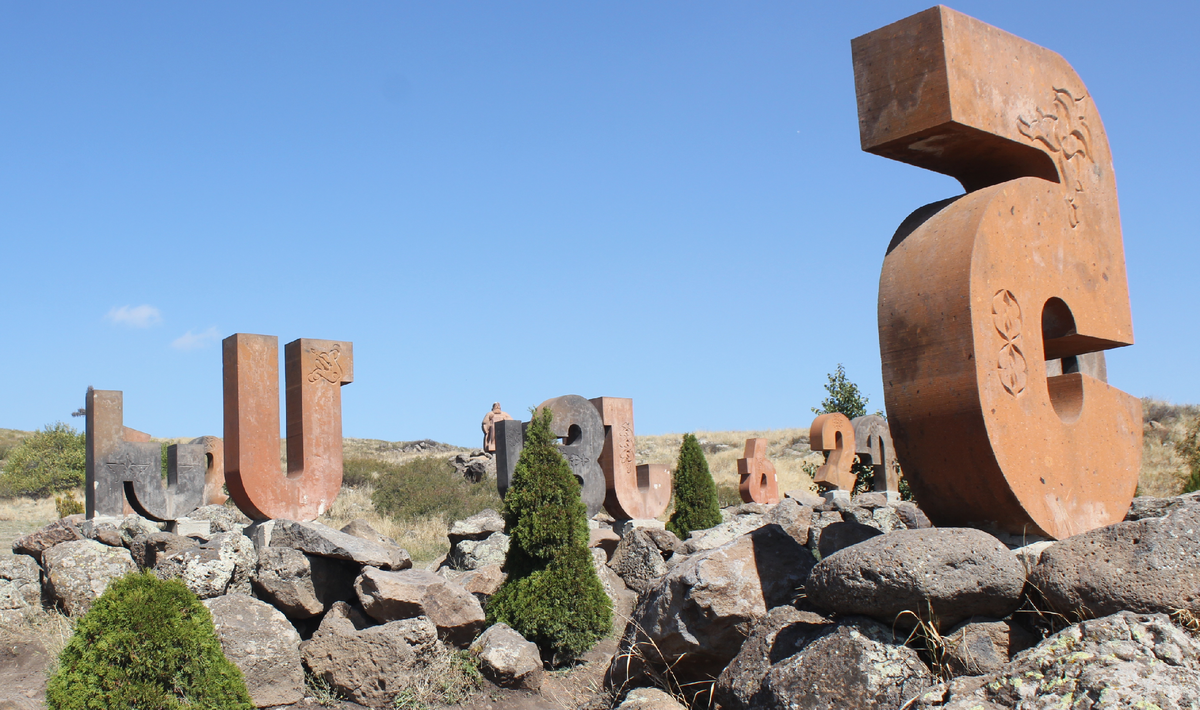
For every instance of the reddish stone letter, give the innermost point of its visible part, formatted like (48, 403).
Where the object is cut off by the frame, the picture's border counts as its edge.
(834, 433)
(758, 481)
(634, 492)
(316, 371)
(995, 306)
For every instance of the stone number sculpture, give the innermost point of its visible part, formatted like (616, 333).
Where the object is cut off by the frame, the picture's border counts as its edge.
(992, 303)
(598, 444)
(122, 464)
(758, 483)
(315, 372)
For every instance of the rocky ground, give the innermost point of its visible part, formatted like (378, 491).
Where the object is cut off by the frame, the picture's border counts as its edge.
(802, 604)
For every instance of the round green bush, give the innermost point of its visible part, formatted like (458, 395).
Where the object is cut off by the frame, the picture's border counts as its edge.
(552, 595)
(48, 461)
(147, 644)
(696, 505)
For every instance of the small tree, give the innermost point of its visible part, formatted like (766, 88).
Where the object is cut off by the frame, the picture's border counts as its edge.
(149, 644)
(696, 506)
(47, 462)
(843, 396)
(552, 595)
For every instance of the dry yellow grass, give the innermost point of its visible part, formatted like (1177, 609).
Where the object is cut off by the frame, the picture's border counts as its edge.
(424, 538)
(1163, 470)
(21, 516)
(786, 448)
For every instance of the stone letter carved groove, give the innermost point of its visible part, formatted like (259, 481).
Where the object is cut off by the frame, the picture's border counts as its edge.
(758, 483)
(315, 371)
(632, 491)
(997, 423)
(122, 464)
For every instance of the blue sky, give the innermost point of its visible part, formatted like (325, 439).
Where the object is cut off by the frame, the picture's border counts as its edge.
(511, 201)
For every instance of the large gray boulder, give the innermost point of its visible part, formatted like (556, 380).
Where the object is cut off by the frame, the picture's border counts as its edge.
(260, 641)
(133, 526)
(507, 659)
(222, 565)
(363, 662)
(78, 572)
(638, 561)
(42, 539)
(1151, 565)
(783, 632)
(20, 587)
(472, 554)
(389, 596)
(857, 664)
(1125, 660)
(839, 536)
(696, 619)
(733, 528)
(482, 582)
(944, 575)
(302, 586)
(480, 526)
(793, 517)
(317, 539)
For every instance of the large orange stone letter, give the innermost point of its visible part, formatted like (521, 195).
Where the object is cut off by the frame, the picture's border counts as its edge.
(992, 304)
(633, 492)
(758, 482)
(316, 371)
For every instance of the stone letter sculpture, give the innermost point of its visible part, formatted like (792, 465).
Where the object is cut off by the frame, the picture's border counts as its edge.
(873, 444)
(123, 464)
(581, 429)
(633, 492)
(316, 371)
(833, 433)
(758, 482)
(510, 440)
(984, 296)
(489, 427)
(214, 476)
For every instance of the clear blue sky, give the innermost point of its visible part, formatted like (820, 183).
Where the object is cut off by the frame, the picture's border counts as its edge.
(511, 201)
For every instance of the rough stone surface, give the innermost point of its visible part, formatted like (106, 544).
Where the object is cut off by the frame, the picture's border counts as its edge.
(912, 516)
(388, 596)
(638, 561)
(721, 534)
(702, 610)
(980, 647)
(102, 529)
(605, 539)
(221, 518)
(362, 529)
(260, 641)
(223, 565)
(78, 571)
(622, 597)
(668, 543)
(147, 550)
(784, 631)
(20, 586)
(821, 519)
(884, 519)
(507, 659)
(364, 663)
(318, 539)
(480, 526)
(42, 539)
(839, 536)
(482, 582)
(302, 586)
(1030, 555)
(794, 518)
(857, 664)
(951, 573)
(1150, 565)
(133, 526)
(1144, 507)
(1126, 660)
(473, 554)
(650, 699)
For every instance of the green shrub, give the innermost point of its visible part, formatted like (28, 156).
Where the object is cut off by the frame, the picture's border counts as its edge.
(47, 462)
(696, 505)
(423, 487)
(148, 644)
(66, 505)
(552, 595)
(728, 495)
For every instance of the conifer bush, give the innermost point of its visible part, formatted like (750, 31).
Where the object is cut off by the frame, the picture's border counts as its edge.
(696, 504)
(552, 595)
(148, 644)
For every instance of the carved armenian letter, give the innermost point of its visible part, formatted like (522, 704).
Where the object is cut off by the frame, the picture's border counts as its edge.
(873, 444)
(315, 370)
(835, 434)
(122, 464)
(758, 483)
(633, 492)
(581, 429)
(993, 304)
